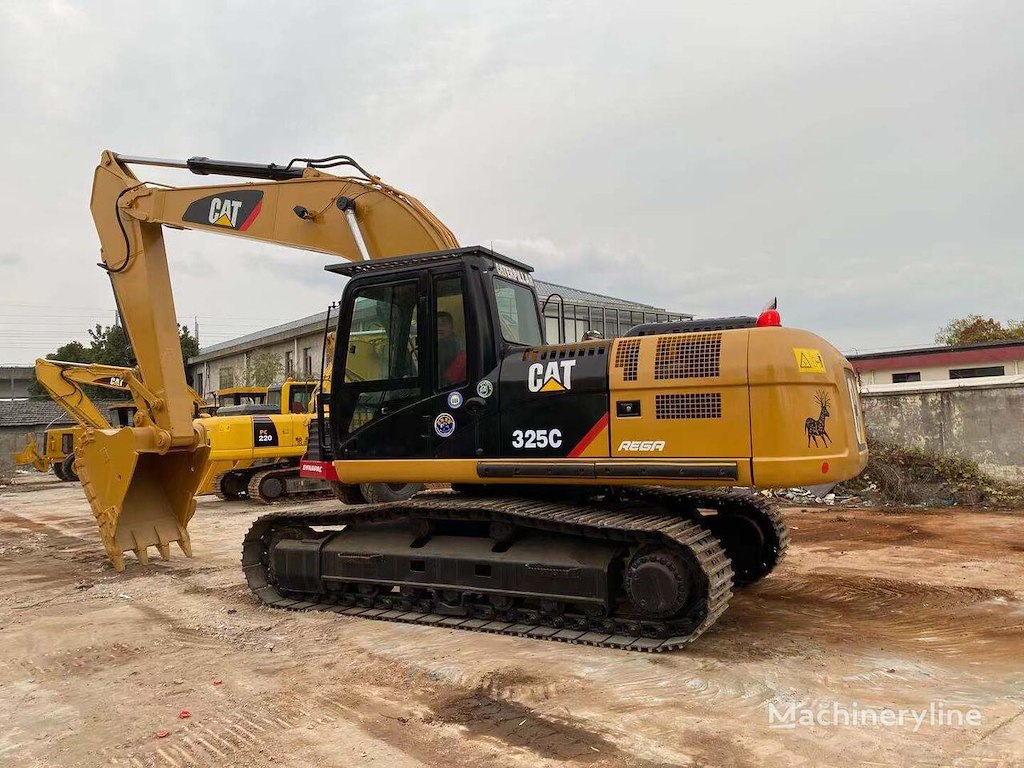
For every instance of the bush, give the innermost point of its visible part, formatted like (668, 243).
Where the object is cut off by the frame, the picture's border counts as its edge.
(905, 475)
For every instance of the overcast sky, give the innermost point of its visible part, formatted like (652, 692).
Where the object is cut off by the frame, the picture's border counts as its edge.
(862, 161)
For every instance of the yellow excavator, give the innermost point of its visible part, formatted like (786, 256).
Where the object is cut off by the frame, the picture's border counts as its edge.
(255, 445)
(590, 482)
(63, 381)
(58, 452)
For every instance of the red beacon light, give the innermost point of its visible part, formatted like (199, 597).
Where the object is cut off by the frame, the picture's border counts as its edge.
(770, 316)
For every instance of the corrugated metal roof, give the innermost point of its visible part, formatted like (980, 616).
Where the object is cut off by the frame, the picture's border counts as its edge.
(315, 323)
(937, 350)
(29, 413)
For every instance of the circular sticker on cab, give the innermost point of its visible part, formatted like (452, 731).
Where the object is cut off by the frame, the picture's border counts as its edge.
(485, 389)
(444, 425)
(454, 399)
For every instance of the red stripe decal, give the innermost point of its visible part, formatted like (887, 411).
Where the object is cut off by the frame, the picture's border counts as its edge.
(252, 216)
(588, 438)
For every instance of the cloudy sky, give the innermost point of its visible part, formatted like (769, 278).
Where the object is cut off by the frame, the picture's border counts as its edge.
(860, 160)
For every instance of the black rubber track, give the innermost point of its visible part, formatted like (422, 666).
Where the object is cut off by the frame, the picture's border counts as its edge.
(731, 508)
(643, 522)
(283, 472)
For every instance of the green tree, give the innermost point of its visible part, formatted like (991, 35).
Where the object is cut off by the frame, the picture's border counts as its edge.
(263, 369)
(189, 344)
(110, 346)
(975, 329)
(72, 352)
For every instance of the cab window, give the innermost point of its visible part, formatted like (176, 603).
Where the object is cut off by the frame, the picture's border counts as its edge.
(450, 332)
(381, 356)
(274, 397)
(382, 343)
(299, 395)
(517, 312)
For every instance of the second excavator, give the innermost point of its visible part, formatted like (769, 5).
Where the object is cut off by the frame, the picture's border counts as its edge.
(588, 480)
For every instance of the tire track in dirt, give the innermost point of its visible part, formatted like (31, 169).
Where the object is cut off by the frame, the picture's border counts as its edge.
(944, 620)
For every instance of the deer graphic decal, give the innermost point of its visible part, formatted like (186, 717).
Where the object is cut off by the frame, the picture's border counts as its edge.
(815, 428)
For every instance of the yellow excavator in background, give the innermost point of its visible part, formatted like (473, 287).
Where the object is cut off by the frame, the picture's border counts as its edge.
(58, 452)
(255, 445)
(583, 503)
(63, 381)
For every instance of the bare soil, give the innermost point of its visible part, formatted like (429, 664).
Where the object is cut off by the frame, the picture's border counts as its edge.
(897, 608)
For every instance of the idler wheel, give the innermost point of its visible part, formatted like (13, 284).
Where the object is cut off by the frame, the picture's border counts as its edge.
(658, 583)
(272, 487)
(233, 484)
(750, 543)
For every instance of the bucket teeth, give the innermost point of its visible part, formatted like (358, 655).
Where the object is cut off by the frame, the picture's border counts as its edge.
(140, 499)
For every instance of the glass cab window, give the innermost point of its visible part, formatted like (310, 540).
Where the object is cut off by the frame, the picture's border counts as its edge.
(274, 396)
(517, 313)
(299, 396)
(381, 356)
(450, 332)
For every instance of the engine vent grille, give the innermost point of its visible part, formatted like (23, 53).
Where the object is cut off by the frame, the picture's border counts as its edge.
(691, 405)
(562, 351)
(688, 356)
(627, 357)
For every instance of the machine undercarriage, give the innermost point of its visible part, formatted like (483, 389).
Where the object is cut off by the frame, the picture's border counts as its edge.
(639, 568)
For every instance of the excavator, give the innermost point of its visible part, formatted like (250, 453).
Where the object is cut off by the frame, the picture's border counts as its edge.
(590, 483)
(58, 452)
(64, 382)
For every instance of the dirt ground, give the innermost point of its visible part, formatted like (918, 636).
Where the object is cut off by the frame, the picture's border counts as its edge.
(871, 609)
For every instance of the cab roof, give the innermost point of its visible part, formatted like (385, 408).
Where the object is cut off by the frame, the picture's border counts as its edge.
(351, 269)
(242, 391)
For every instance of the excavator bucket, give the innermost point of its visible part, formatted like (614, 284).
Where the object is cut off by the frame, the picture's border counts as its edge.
(139, 498)
(30, 455)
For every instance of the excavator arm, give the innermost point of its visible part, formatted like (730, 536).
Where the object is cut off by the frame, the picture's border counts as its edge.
(141, 481)
(64, 382)
(30, 455)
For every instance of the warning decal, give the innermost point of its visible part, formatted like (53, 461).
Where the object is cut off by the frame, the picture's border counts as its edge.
(808, 360)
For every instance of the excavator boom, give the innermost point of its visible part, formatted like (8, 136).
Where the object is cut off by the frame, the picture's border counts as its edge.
(141, 481)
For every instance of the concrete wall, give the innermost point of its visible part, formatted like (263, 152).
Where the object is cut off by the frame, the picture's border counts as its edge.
(984, 423)
(14, 381)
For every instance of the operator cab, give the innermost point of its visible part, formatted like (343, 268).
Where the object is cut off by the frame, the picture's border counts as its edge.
(291, 396)
(427, 347)
(240, 396)
(241, 401)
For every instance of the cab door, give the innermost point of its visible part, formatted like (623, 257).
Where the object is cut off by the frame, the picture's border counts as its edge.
(379, 378)
(410, 363)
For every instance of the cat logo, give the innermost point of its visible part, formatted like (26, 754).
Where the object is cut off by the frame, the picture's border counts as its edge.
(236, 209)
(556, 376)
(116, 381)
(224, 213)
